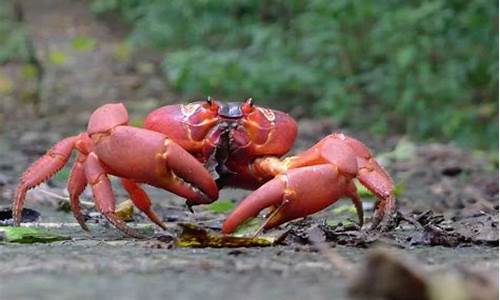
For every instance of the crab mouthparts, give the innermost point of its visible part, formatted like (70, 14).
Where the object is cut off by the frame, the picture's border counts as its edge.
(231, 110)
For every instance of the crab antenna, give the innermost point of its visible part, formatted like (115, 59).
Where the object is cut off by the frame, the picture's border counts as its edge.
(209, 100)
(250, 101)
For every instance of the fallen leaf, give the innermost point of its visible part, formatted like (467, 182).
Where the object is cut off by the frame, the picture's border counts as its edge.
(58, 57)
(29, 71)
(30, 235)
(363, 192)
(193, 236)
(249, 227)
(222, 206)
(125, 210)
(84, 43)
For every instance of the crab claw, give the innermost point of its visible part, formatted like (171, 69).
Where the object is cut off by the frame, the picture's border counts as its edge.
(190, 179)
(295, 194)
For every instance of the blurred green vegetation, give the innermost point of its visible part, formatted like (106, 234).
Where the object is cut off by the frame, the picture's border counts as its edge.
(13, 37)
(425, 68)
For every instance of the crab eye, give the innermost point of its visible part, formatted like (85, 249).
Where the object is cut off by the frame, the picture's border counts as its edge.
(248, 106)
(211, 104)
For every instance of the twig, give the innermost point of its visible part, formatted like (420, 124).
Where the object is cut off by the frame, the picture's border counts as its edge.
(57, 196)
(268, 219)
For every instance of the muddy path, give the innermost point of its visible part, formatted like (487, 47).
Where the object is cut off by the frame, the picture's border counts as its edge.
(447, 197)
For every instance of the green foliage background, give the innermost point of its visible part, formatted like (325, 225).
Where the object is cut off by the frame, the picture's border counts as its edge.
(13, 39)
(425, 68)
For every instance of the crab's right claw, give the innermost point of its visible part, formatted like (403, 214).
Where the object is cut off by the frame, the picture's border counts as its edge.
(295, 194)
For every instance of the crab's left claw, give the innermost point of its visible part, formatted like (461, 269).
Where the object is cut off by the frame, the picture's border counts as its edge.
(316, 179)
(295, 194)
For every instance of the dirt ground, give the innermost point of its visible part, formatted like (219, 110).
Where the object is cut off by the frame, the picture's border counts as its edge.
(447, 198)
(107, 265)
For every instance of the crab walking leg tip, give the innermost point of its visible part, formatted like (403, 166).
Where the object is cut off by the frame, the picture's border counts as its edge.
(384, 212)
(103, 195)
(120, 225)
(81, 220)
(155, 218)
(141, 200)
(76, 185)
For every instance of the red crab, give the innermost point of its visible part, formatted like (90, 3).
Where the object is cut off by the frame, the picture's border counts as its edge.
(193, 150)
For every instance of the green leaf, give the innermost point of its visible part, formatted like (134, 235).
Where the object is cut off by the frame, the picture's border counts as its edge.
(248, 227)
(337, 221)
(405, 56)
(222, 206)
(58, 57)
(350, 209)
(363, 192)
(62, 175)
(83, 43)
(399, 188)
(137, 122)
(29, 71)
(30, 235)
(342, 214)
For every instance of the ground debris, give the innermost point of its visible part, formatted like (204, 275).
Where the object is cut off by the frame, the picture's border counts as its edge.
(481, 229)
(385, 276)
(425, 228)
(435, 230)
(27, 215)
(125, 210)
(194, 236)
(433, 235)
(349, 237)
(305, 232)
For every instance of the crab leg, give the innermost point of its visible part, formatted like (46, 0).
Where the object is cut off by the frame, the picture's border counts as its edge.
(76, 185)
(103, 194)
(142, 201)
(375, 179)
(40, 171)
(352, 193)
